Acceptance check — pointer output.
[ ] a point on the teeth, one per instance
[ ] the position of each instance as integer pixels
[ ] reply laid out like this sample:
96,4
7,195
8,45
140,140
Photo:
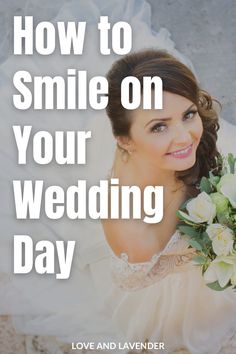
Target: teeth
182,152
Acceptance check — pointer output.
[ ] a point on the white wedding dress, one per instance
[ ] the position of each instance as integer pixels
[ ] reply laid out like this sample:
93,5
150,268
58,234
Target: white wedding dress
107,298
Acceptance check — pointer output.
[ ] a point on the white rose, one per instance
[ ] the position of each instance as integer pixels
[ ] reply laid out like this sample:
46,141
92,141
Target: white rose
201,209
222,269
222,239
222,246
227,186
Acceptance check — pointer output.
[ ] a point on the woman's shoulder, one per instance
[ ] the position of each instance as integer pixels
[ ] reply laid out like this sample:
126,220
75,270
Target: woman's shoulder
128,236
136,239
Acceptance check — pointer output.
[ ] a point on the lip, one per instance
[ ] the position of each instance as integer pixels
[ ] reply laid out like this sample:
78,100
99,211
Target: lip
182,153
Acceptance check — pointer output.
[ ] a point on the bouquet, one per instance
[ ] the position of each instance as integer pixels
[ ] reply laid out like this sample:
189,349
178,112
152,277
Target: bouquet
209,222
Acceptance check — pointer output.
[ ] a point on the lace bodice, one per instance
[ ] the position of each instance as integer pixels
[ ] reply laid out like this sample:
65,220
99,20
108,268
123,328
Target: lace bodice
133,276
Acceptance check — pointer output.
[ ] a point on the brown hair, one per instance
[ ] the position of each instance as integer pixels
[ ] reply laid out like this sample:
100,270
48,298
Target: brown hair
177,78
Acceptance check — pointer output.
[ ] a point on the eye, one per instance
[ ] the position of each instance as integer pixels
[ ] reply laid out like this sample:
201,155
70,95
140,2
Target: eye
190,115
159,128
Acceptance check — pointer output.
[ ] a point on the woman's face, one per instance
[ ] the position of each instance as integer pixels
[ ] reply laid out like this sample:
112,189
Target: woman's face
167,138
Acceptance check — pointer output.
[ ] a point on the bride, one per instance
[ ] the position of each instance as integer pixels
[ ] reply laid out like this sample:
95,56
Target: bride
131,281
173,147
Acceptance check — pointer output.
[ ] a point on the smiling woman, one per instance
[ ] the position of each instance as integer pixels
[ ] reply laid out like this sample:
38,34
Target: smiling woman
153,264
188,119
168,147
171,135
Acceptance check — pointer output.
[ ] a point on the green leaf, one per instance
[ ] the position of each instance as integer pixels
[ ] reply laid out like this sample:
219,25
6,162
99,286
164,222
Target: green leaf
231,161
206,240
220,164
205,236
216,286
199,259
225,219
195,244
185,217
188,230
214,180
205,185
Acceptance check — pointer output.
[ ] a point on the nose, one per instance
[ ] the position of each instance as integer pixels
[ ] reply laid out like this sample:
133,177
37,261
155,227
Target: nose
182,135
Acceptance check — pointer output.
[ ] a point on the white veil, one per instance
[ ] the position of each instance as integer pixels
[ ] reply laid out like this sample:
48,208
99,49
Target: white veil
42,304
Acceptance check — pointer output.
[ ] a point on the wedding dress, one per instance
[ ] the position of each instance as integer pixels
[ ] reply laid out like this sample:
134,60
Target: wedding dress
107,298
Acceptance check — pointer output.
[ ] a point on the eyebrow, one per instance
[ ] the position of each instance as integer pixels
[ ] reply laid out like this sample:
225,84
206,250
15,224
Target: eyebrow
169,118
